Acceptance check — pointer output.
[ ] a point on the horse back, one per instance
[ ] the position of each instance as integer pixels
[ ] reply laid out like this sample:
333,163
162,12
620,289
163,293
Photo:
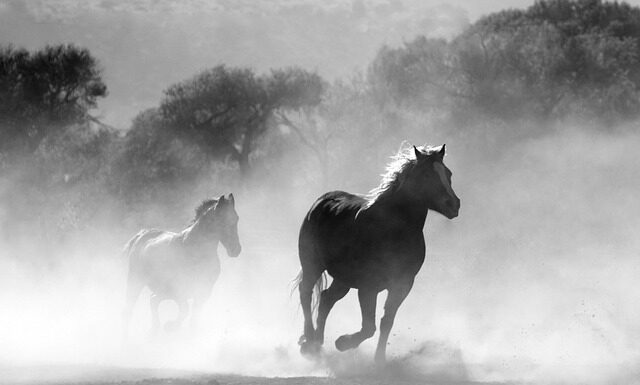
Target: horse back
335,206
169,268
133,246
328,230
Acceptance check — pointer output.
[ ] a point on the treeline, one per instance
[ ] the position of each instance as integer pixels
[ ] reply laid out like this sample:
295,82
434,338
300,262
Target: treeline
554,60
519,70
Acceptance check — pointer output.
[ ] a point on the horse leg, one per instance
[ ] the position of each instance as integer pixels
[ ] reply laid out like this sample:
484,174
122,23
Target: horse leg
367,300
134,287
154,304
395,297
307,342
328,298
183,312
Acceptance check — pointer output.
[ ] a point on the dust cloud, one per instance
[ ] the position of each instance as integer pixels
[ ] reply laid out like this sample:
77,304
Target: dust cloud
535,281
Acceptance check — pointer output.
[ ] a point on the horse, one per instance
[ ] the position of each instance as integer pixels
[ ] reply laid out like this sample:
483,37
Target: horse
371,243
181,266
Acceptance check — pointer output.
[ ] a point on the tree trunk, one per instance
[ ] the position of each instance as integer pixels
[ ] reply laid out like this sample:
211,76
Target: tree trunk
245,151
243,163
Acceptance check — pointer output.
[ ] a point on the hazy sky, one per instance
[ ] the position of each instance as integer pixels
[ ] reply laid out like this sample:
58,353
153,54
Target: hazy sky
146,45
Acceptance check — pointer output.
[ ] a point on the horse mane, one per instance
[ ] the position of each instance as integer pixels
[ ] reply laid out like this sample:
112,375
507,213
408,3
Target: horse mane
203,207
396,172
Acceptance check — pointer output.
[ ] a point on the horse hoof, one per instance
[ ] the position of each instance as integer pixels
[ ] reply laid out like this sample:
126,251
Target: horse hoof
310,349
343,343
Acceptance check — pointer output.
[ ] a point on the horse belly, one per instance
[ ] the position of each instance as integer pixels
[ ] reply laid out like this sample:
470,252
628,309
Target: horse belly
171,273
360,270
375,267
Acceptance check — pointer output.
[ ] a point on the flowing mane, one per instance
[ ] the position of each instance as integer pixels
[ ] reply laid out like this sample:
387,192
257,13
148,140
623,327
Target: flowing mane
396,172
203,207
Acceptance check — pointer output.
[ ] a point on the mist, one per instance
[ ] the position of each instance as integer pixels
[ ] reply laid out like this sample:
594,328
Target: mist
534,282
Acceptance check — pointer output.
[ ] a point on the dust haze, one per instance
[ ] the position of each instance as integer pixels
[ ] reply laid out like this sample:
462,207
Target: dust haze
535,281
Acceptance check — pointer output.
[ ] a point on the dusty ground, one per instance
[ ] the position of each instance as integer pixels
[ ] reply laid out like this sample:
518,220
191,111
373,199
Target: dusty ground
97,375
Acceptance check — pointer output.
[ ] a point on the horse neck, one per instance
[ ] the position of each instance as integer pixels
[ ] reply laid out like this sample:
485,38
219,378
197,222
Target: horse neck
196,235
408,204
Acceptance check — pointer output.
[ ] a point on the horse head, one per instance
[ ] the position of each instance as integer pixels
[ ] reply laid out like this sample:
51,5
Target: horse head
433,181
227,225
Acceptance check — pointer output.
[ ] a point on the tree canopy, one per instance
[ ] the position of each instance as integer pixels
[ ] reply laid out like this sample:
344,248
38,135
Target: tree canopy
225,110
43,91
556,58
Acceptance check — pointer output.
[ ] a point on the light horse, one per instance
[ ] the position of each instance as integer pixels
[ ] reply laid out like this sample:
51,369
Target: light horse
371,243
181,266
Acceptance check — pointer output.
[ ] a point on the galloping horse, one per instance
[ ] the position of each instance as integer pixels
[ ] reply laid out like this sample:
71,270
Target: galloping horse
371,243
181,266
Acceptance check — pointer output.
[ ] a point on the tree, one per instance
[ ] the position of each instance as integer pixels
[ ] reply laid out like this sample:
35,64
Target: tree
419,74
152,158
41,92
349,128
555,59
226,110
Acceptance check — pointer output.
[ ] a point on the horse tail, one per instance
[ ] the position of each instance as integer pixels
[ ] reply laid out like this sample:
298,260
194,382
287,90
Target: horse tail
319,286
126,250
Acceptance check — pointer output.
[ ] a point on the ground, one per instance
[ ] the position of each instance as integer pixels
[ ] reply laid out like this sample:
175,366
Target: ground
95,375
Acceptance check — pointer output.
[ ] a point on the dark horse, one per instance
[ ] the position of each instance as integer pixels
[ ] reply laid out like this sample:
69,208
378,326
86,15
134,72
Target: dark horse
371,244
181,266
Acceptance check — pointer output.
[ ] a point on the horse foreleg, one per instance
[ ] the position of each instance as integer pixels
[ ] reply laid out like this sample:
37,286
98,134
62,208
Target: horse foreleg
328,298
395,297
183,312
367,300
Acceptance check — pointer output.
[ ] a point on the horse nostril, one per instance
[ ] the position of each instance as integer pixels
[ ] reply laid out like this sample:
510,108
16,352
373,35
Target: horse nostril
453,203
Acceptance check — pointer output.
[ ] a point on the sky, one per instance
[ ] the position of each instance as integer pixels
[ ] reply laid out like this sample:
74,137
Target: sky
144,46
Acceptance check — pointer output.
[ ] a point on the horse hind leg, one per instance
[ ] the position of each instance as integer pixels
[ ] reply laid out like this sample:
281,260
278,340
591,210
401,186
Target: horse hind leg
328,298
183,312
367,299
134,287
308,344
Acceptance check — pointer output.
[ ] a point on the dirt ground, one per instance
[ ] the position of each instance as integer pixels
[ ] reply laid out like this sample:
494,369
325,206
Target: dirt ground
96,375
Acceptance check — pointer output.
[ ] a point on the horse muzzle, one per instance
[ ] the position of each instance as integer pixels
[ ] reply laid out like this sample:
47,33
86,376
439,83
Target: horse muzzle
451,208
233,253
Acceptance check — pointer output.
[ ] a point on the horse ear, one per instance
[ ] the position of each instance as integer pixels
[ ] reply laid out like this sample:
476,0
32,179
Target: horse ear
232,199
441,152
419,154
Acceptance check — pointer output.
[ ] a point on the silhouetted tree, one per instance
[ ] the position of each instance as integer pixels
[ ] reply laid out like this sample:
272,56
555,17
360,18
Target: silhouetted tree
41,92
152,157
226,110
554,59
